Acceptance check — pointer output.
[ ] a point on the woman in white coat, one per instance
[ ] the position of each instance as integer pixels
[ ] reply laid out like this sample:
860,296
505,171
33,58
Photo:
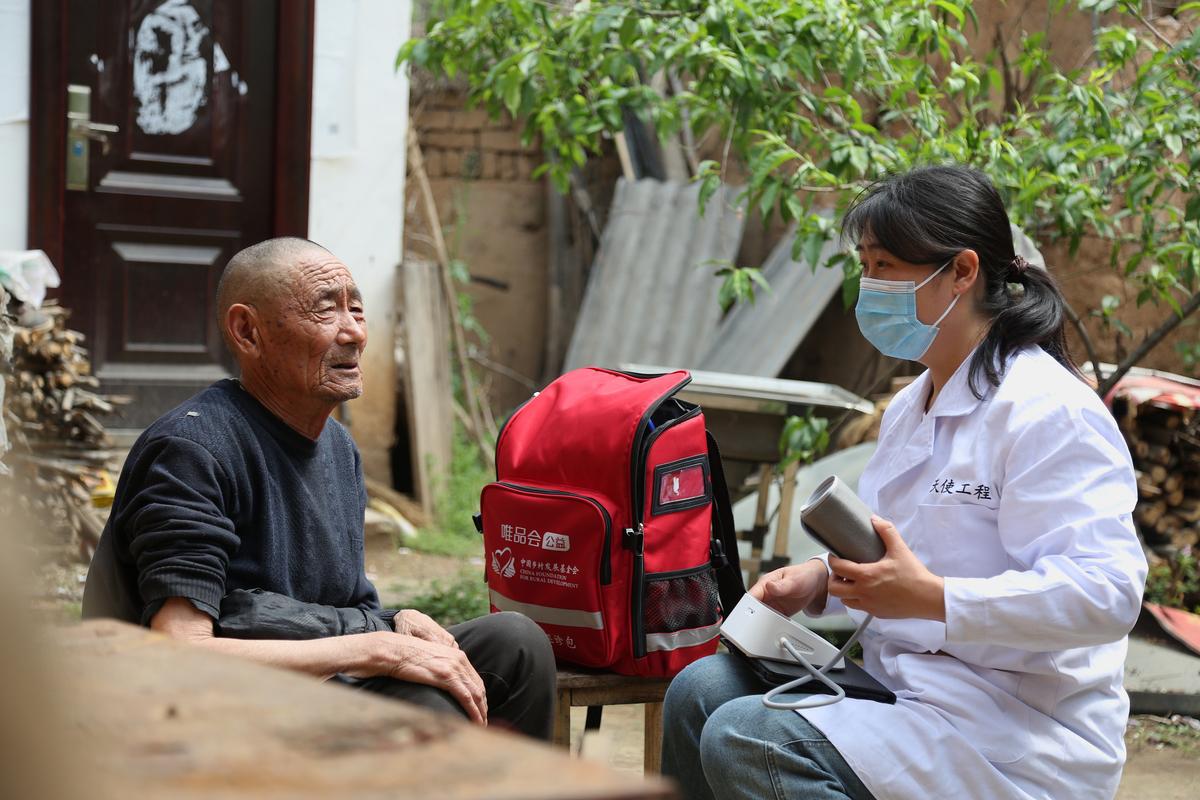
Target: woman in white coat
1013,574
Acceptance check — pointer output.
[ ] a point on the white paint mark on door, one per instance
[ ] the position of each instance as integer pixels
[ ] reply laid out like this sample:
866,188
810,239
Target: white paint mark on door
170,72
220,62
238,84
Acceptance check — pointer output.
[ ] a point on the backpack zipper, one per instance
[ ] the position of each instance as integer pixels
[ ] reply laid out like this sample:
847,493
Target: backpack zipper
635,537
644,456
636,542
605,556
504,427
637,475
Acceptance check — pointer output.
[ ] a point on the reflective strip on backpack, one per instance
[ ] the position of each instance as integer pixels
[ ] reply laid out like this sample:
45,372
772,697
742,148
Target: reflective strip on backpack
568,617
679,639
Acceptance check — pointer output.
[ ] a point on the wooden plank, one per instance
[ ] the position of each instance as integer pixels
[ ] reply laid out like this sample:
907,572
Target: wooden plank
562,720
427,376
783,522
582,678
560,262
158,718
630,695
652,758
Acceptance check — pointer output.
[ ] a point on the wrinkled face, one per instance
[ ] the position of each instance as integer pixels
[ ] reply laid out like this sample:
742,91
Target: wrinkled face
314,339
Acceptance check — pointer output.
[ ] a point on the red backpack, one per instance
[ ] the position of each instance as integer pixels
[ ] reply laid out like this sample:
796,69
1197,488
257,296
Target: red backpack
609,523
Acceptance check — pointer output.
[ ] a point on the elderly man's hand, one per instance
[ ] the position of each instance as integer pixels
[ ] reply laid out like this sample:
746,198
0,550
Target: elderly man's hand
407,658
414,623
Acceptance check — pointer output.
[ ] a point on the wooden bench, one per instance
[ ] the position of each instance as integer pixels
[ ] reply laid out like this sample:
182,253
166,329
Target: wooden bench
578,687
144,716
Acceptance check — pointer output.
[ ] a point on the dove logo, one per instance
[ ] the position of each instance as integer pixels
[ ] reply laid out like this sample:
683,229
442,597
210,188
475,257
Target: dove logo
503,563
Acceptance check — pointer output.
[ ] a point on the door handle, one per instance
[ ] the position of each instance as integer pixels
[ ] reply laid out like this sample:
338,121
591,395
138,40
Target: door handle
80,131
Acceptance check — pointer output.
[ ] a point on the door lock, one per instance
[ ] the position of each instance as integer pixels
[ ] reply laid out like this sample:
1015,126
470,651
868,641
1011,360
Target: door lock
80,131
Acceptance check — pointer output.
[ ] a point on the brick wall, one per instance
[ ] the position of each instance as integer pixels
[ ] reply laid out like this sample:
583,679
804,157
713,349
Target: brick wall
468,145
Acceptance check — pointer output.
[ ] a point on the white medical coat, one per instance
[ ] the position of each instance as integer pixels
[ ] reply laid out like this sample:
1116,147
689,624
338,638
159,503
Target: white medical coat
1022,501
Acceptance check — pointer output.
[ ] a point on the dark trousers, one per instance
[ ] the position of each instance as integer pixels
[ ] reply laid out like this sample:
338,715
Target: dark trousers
513,657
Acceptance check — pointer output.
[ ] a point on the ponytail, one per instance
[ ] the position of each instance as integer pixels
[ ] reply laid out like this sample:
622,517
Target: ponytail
1027,308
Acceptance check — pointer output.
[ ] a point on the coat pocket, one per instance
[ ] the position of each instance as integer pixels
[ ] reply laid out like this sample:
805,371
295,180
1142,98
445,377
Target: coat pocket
959,540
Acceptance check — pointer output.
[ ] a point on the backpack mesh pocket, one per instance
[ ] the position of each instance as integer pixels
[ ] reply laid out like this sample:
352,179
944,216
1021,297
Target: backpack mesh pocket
677,601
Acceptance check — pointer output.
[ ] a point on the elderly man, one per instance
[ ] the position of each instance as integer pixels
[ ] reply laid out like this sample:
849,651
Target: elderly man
240,514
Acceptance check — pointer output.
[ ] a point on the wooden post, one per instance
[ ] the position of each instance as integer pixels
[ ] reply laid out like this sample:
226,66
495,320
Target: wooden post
557,266
652,748
562,720
623,156
416,163
427,376
753,567
783,523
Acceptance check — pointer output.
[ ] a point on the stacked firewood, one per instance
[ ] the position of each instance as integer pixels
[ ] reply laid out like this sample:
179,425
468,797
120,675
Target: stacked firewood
52,412
1165,444
865,427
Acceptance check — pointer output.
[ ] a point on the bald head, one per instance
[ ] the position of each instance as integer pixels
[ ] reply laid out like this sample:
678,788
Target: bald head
262,274
293,318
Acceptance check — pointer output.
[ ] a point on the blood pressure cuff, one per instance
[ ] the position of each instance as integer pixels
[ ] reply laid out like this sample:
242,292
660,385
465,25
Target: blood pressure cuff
259,614
853,679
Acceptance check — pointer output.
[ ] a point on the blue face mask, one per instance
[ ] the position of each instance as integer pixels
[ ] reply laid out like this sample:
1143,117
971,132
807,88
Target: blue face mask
887,316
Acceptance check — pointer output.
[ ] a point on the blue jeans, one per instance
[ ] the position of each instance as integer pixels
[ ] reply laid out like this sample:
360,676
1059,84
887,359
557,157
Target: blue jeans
720,741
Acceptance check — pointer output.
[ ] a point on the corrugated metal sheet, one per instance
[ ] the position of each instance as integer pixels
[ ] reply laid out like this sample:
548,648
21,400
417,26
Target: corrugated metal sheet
759,338
652,295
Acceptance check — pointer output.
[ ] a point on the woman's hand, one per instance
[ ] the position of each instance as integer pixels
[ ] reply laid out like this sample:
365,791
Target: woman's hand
790,590
898,586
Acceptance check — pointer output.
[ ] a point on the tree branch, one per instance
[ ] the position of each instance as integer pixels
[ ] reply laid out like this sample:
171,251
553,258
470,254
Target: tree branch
1133,9
1087,340
725,150
1148,344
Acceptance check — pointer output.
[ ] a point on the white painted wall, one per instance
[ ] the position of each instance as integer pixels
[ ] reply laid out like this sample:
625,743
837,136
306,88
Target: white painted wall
356,195
14,122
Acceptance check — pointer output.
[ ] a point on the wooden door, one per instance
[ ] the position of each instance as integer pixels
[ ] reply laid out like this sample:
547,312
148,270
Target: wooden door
194,173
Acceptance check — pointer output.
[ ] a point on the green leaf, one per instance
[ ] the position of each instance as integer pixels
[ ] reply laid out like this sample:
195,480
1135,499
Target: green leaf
708,187
952,10
849,291
757,276
1192,212
609,17
510,87
859,159
813,245
766,202
804,439
793,208
1174,143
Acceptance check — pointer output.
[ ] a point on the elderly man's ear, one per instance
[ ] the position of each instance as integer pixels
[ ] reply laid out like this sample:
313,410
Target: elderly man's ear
242,326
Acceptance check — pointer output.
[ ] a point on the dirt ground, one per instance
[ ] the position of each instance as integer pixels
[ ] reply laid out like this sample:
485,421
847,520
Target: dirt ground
1164,755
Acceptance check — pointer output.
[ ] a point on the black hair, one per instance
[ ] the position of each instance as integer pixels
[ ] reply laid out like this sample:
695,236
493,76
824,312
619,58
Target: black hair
928,216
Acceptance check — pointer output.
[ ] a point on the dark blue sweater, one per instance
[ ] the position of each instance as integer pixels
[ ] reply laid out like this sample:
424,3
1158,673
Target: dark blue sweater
220,494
